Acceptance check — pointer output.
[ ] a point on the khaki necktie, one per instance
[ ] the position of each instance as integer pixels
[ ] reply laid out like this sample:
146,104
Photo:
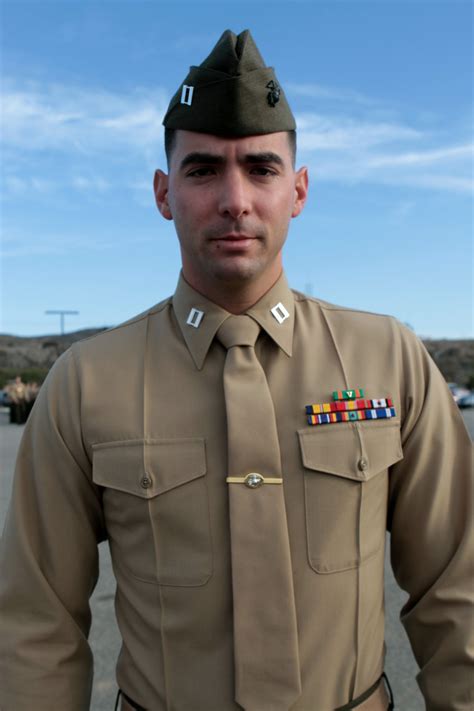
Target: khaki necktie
267,671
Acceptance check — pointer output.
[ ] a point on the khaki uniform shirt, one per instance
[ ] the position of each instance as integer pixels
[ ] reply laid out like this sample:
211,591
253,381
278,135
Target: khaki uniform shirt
127,441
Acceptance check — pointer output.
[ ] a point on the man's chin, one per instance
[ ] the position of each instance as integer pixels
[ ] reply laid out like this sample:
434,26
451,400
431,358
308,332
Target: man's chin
235,271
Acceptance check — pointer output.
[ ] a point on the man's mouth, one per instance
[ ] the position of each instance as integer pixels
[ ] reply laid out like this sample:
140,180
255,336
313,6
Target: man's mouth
233,236
234,240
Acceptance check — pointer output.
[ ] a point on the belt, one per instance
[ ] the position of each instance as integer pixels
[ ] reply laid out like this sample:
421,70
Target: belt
127,703
378,697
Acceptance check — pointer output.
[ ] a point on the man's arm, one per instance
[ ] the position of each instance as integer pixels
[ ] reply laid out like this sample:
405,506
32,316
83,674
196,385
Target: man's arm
49,558
430,520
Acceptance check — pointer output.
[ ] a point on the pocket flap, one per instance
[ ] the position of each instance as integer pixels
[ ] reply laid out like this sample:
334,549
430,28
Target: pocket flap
338,449
148,468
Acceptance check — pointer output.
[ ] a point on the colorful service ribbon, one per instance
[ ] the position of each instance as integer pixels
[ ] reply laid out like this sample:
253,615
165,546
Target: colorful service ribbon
350,406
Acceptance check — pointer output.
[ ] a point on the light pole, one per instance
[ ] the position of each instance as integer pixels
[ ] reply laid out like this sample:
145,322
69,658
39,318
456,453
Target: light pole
61,313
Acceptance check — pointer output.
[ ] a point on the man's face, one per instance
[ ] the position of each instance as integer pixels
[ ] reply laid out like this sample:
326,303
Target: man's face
231,201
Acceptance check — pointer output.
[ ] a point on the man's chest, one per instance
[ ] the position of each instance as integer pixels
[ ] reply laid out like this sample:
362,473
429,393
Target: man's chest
162,460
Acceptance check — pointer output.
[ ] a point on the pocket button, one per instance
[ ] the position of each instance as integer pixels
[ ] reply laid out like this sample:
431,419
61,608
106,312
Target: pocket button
362,464
145,482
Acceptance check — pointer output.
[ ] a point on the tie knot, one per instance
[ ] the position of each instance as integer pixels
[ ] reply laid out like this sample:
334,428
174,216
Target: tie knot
238,331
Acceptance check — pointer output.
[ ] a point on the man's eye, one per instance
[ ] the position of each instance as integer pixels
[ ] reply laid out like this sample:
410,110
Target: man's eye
262,170
201,172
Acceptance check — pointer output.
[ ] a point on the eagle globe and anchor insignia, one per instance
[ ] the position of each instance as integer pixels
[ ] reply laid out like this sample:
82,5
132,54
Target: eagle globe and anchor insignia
273,96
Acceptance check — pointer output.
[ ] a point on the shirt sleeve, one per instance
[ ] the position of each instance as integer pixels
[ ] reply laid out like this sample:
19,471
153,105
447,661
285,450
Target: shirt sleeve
430,520
49,557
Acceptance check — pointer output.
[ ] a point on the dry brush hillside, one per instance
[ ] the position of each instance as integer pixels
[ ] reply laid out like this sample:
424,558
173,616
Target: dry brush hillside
33,356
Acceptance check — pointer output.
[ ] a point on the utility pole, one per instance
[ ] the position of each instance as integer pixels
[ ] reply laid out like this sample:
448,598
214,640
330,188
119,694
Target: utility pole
61,313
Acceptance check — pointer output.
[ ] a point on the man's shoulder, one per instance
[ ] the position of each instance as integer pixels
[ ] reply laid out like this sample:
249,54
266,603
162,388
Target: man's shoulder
344,314
349,325
109,356
125,337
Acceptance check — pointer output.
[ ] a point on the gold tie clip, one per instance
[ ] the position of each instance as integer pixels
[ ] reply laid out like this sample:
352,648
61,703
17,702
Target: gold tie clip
253,480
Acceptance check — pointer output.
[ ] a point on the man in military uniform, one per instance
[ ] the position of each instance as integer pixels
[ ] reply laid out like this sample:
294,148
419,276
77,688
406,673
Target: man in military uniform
266,442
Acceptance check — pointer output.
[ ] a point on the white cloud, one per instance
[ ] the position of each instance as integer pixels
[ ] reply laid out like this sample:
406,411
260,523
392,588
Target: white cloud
319,132
355,169
21,245
21,186
326,93
437,182
40,185
95,183
355,138
15,243
62,118
403,210
14,185
58,132
424,157
350,151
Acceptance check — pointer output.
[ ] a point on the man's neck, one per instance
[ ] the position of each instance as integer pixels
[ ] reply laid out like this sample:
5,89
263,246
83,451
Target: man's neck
235,298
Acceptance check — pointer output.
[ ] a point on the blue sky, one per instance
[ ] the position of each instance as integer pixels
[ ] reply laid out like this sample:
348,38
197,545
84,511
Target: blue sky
382,93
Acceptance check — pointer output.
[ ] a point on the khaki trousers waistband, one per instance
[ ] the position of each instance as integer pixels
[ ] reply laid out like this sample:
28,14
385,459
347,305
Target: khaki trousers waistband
378,701
376,698
125,705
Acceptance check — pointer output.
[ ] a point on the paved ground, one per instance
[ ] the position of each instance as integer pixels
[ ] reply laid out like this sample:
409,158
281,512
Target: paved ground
401,667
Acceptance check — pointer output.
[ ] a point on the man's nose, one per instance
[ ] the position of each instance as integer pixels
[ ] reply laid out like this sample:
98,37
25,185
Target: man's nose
234,196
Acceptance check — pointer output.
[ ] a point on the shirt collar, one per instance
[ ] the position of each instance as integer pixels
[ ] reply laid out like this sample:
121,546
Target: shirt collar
199,318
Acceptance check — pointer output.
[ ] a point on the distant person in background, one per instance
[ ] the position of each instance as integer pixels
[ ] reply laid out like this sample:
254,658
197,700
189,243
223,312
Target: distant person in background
244,448
17,393
32,390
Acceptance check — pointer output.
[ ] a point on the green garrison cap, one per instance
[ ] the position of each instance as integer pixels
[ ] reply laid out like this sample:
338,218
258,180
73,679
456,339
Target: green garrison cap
232,93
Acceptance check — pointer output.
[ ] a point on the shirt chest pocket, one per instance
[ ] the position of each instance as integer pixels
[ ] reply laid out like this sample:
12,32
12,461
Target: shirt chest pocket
346,491
157,509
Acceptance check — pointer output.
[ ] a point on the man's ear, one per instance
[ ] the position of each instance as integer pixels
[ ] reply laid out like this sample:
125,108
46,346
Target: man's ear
301,191
160,188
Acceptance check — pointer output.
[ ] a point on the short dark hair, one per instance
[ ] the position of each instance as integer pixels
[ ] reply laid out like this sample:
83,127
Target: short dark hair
170,140
292,142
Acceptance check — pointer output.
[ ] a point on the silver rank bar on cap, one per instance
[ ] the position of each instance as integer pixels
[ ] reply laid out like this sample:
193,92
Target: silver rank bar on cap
280,313
195,317
187,94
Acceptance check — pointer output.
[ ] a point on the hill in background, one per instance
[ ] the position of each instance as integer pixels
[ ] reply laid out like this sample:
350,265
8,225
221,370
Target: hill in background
454,358
32,357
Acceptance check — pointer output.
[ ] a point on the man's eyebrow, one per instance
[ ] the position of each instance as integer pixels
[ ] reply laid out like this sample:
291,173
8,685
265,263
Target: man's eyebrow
197,157
266,157
201,158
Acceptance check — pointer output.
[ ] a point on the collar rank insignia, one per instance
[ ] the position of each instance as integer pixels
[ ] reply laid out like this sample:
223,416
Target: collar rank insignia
350,406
